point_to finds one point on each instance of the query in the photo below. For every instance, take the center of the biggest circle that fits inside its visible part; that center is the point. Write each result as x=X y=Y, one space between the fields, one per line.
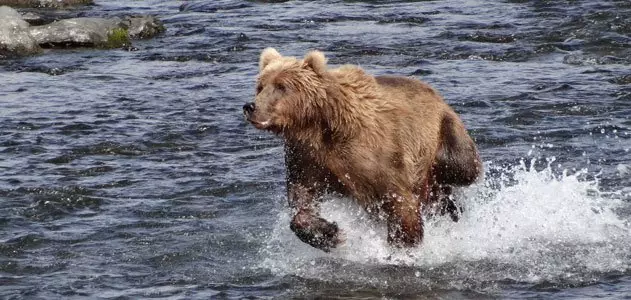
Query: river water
x=127 y=175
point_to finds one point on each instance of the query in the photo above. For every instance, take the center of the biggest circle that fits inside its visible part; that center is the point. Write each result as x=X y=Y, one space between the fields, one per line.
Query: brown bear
x=389 y=142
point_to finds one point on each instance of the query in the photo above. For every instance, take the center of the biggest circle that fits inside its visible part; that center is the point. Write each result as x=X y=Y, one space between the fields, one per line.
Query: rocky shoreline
x=24 y=32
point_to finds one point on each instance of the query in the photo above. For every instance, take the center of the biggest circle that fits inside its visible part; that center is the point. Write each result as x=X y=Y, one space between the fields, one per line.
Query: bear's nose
x=248 y=108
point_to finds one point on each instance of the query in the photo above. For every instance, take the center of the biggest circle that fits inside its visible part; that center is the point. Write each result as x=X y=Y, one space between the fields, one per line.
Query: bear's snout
x=254 y=116
x=248 y=109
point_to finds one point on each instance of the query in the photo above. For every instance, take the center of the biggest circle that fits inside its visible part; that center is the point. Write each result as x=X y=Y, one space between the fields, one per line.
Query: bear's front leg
x=315 y=231
x=405 y=225
x=307 y=224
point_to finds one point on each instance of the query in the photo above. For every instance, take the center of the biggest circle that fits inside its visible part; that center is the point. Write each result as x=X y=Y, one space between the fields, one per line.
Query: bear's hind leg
x=457 y=164
x=457 y=161
x=439 y=200
x=446 y=204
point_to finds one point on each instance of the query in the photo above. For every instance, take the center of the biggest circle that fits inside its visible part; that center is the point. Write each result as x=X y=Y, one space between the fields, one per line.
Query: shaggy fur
x=390 y=142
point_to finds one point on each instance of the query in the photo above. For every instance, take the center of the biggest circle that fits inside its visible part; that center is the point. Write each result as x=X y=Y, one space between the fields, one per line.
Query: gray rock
x=96 y=32
x=142 y=27
x=46 y=3
x=15 y=39
x=76 y=32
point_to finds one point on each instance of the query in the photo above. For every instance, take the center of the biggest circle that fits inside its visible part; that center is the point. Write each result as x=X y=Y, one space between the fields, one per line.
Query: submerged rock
x=142 y=27
x=46 y=3
x=15 y=39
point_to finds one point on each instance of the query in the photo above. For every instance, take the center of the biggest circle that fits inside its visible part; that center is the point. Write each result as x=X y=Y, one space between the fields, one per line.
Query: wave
x=519 y=225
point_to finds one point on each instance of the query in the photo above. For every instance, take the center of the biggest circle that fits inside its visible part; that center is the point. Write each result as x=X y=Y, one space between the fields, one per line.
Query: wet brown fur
x=389 y=142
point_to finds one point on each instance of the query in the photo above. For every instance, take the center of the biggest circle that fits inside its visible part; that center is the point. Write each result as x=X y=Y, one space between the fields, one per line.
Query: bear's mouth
x=258 y=124
x=261 y=125
x=266 y=125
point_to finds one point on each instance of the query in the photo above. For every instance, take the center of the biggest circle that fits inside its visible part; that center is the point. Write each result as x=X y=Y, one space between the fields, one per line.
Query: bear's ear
x=267 y=56
x=316 y=61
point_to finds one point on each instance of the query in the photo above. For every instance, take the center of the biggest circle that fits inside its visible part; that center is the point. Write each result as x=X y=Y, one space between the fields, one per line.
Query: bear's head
x=290 y=92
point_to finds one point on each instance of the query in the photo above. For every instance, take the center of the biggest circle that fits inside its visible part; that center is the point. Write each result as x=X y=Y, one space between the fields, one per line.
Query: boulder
x=46 y=3
x=96 y=32
x=76 y=32
x=15 y=38
x=18 y=38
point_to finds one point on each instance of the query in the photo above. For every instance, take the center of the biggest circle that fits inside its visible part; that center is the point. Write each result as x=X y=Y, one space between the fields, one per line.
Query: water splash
x=522 y=225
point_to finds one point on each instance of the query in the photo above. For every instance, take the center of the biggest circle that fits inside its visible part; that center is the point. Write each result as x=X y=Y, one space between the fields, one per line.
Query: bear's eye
x=259 y=89
x=280 y=87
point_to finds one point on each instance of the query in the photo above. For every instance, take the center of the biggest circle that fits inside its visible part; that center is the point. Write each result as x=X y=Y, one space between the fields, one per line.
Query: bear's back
x=411 y=89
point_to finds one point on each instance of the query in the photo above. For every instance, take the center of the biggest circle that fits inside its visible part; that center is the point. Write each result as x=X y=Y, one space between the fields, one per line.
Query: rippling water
x=133 y=174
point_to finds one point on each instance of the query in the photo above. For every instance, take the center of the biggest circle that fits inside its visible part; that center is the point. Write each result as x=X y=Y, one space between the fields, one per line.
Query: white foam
x=623 y=170
x=528 y=224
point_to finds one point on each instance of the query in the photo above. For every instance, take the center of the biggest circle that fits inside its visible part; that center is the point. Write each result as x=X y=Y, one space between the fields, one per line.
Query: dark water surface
x=128 y=175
